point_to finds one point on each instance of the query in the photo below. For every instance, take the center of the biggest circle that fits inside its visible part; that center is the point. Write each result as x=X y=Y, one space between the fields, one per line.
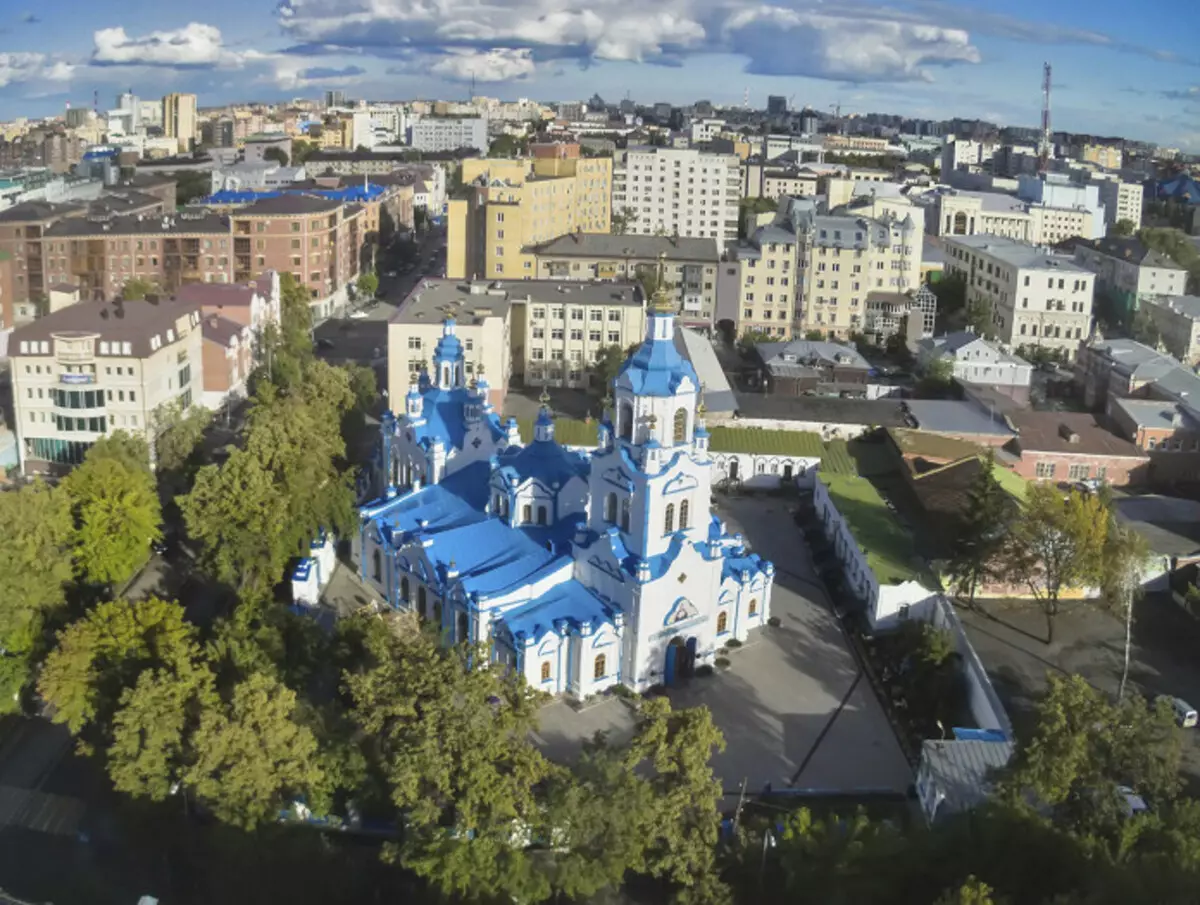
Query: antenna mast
x=1044 y=163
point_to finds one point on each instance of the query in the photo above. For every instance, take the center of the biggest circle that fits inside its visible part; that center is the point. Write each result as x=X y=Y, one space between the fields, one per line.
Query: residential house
x=979 y=361
x=812 y=368
x=1074 y=446
x=1177 y=318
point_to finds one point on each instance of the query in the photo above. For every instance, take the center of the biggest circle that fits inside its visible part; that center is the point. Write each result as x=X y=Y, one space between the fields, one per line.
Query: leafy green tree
x=1124 y=558
x=117 y=514
x=35 y=566
x=814 y=335
x=951 y=292
x=980 y=530
x=235 y=512
x=1057 y=544
x=837 y=861
x=137 y=288
x=253 y=754
x=751 y=338
x=606 y=366
x=675 y=747
x=102 y=654
x=131 y=450
x=622 y=221
x=178 y=446
x=453 y=745
x=506 y=146
x=978 y=317
x=748 y=211
x=367 y=284
x=302 y=150
x=972 y=892
x=1082 y=747
x=1144 y=329
x=1123 y=227
x=285 y=350
x=279 y=155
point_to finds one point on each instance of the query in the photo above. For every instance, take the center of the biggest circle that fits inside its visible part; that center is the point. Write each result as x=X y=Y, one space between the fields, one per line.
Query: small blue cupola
x=448 y=358
x=543 y=428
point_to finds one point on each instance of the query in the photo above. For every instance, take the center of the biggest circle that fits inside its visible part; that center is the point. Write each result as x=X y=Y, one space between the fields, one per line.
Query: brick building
x=1074 y=446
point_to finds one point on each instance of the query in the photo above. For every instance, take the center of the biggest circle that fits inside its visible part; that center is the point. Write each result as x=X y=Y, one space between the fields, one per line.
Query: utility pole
x=1044 y=157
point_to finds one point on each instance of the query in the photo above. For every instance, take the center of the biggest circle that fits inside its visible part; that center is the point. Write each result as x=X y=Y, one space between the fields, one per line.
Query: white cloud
x=502 y=64
x=194 y=45
x=30 y=67
x=852 y=41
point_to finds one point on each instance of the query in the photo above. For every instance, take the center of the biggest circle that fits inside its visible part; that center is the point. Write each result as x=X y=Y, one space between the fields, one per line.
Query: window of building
x=683 y=514
x=599 y=669
x=1078 y=472
x=752 y=610
x=1045 y=469
x=722 y=622
x=527 y=514
x=669 y=519
x=625 y=514
x=545 y=665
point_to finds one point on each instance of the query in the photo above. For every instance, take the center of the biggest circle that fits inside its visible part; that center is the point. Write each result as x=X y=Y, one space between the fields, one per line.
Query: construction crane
x=1044 y=151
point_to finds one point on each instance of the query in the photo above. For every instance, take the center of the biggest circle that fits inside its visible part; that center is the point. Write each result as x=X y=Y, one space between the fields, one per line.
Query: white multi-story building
x=979 y=361
x=391 y=118
x=1128 y=271
x=1035 y=298
x=679 y=192
x=706 y=129
x=965 y=153
x=955 y=212
x=1122 y=200
x=1056 y=195
x=432 y=134
x=1177 y=318
x=86 y=370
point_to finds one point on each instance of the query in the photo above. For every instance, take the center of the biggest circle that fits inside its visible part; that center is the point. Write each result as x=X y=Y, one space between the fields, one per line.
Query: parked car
x=324 y=343
x=1185 y=714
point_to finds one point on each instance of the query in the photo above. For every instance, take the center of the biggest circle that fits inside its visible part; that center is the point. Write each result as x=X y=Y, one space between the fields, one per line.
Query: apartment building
x=431 y=134
x=1036 y=299
x=96 y=367
x=1128 y=271
x=768 y=279
x=678 y=192
x=690 y=266
x=855 y=144
x=1107 y=156
x=770 y=180
x=1177 y=318
x=512 y=205
x=962 y=213
x=1121 y=200
x=8 y=314
x=179 y=120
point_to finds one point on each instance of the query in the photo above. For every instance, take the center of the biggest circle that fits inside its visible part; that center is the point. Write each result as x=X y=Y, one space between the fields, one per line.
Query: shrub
x=624 y=691
x=654 y=691
x=733 y=643
x=721 y=663
x=704 y=670
x=774 y=622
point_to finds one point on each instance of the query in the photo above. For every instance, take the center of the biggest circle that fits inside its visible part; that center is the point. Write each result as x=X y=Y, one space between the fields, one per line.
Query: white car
x=1185 y=713
x=358 y=315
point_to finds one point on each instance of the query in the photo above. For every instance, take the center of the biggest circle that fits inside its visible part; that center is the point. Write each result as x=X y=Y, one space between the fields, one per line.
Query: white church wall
x=829 y=430
x=762 y=471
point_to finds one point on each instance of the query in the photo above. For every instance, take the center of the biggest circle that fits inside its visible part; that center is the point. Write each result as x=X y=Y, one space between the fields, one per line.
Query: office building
x=979 y=361
x=689 y=266
x=1128 y=271
x=335 y=99
x=777 y=105
x=1122 y=201
x=1177 y=318
x=179 y=120
x=678 y=192
x=434 y=134
x=1107 y=156
x=1036 y=299
x=512 y=205
x=95 y=367
x=957 y=212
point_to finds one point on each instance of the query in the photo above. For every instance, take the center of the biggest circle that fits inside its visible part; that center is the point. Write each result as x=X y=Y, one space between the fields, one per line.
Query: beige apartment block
x=506 y=206
x=679 y=192
x=768 y=281
x=179 y=120
x=1106 y=156
x=95 y=367
x=1036 y=298
x=1177 y=318
x=690 y=266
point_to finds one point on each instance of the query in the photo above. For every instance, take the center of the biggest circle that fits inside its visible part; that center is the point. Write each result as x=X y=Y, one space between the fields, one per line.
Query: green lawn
x=567 y=431
x=837 y=459
x=889 y=547
x=1010 y=481
x=767 y=442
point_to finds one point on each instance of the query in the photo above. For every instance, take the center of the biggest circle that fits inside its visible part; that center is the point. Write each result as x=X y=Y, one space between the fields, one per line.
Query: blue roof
x=544 y=461
x=347 y=194
x=737 y=561
x=448 y=347
x=303 y=569
x=657 y=368
x=443 y=413
x=1182 y=187
x=570 y=602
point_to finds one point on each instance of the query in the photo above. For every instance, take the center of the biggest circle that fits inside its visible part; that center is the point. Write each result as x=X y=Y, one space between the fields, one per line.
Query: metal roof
x=961 y=769
x=602 y=245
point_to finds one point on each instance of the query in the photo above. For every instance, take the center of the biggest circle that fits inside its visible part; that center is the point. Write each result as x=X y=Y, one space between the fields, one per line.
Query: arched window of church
x=600 y=668
x=753 y=610
x=610 y=508
x=527 y=514
x=625 y=419
x=683 y=514
x=542 y=515
x=669 y=519
x=421 y=608
x=545 y=670
x=625 y=515
x=377 y=565
x=496 y=505
x=404 y=589
x=681 y=425
x=722 y=622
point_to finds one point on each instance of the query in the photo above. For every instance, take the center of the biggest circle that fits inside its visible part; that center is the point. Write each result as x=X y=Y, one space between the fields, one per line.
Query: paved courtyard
x=793 y=706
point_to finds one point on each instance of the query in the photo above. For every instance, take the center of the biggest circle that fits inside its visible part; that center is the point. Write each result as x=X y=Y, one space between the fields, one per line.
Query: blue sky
x=1120 y=68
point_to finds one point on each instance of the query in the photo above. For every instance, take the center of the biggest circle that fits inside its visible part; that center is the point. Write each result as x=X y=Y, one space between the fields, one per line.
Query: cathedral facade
x=580 y=570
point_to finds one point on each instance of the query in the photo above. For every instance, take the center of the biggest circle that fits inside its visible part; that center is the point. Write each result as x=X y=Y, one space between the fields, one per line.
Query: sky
x=1120 y=68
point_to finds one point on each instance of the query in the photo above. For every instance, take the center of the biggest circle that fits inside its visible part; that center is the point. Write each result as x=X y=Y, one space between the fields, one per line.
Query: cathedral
x=580 y=570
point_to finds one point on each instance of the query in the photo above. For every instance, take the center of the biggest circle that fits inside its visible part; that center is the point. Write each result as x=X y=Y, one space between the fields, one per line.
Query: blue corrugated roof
x=544 y=461
x=491 y=557
x=346 y=194
x=569 y=601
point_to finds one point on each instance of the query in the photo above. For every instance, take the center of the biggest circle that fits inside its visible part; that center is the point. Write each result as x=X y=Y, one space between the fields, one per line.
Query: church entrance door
x=680 y=660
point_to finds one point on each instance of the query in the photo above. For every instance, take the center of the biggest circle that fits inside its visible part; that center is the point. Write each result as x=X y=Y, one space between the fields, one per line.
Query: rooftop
x=184 y=223
x=132 y=322
x=766 y=442
x=287 y=205
x=1127 y=248
x=888 y=545
x=602 y=245
x=875 y=412
x=795 y=358
x=1017 y=254
x=961 y=769
x=1072 y=433
x=433 y=300
x=1155 y=414
x=949 y=416
x=718 y=394
x=1187 y=305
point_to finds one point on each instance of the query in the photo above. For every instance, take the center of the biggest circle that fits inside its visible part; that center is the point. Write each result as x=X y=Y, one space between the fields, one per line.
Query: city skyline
x=1118 y=73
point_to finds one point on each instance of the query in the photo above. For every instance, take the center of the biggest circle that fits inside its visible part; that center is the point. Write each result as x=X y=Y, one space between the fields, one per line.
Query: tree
x=506 y=146
x=1057 y=544
x=302 y=150
x=35 y=566
x=137 y=288
x=896 y=346
x=178 y=445
x=748 y=211
x=751 y=338
x=814 y=335
x=1144 y=329
x=117 y=514
x=978 y=317
x=1124 y=557
x=1081 y=748
x=951 y=292
x=622 y=221
x=980 y=531
x=1124 y=227
x=279 y=155
x=836 y=861
x=607 y=366
x=1176 y=245
x=368 y=285
x=252 y=755
x=972 y=892
x=453 y=744
x=674 y=747
x=102 y=654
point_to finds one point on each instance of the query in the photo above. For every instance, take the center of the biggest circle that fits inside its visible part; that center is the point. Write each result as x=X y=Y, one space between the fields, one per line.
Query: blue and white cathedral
x=581 y=570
